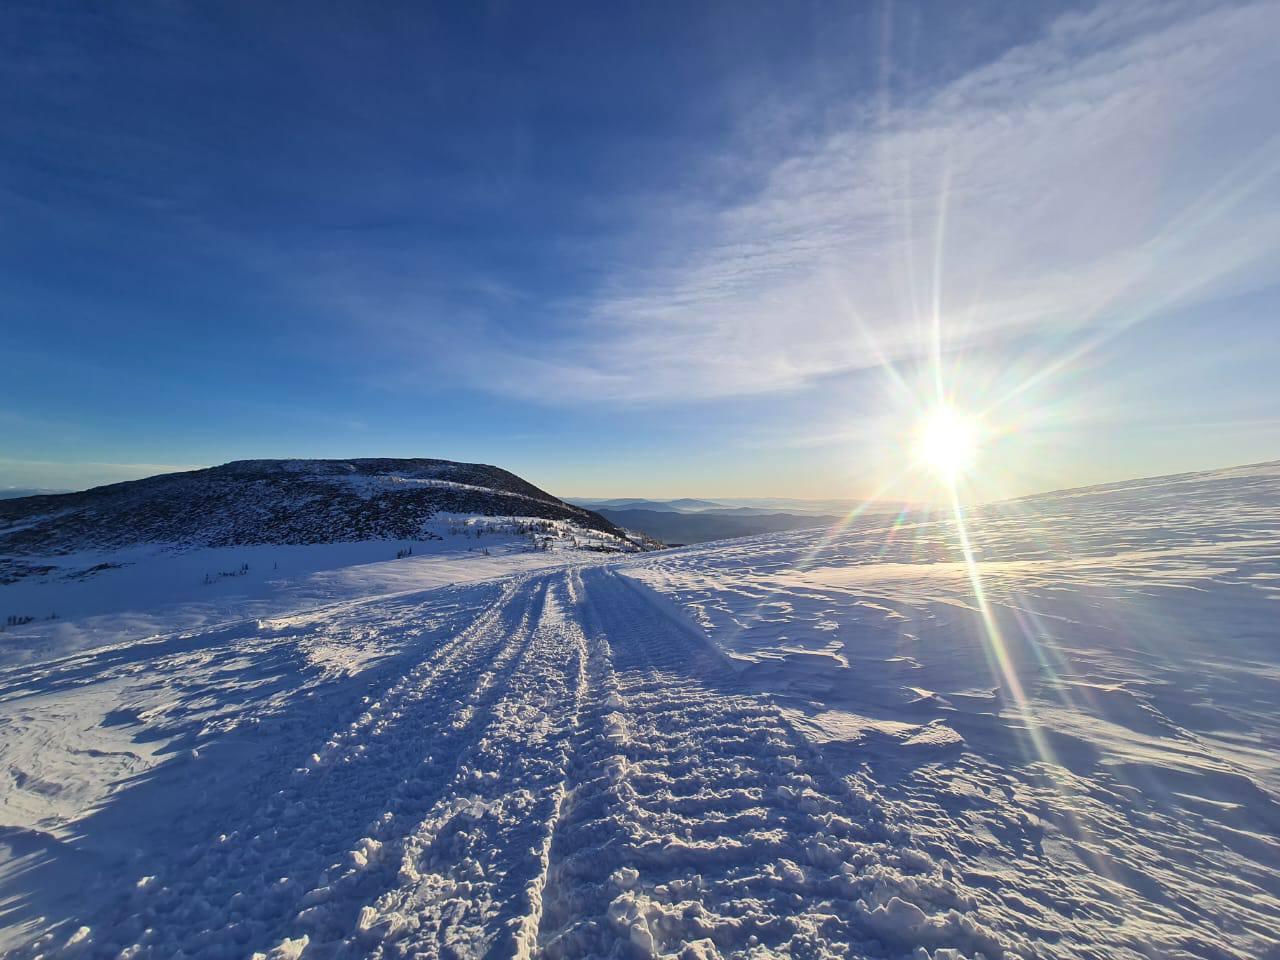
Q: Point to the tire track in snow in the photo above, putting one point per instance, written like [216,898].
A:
[458,702]
[304,856]
[591,662]
[472,874]
[700,824]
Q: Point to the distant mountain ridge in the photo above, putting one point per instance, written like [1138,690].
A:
[682,505]
[671,526]
[692,520]
[745,506]
[277,501]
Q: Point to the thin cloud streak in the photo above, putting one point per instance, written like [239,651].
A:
[1090,179]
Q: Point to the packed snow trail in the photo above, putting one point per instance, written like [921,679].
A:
[572,774]
[699,824]
[319,834]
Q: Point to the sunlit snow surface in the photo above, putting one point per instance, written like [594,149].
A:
[809,744]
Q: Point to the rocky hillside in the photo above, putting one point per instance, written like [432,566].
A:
[277,501]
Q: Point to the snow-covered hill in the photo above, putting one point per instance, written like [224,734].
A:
[254,537]
[870,741]
[277,501]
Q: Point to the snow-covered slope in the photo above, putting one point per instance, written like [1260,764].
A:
[850,744]
[276,501]
[1079,730]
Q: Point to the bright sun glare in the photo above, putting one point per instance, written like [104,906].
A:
[947,442]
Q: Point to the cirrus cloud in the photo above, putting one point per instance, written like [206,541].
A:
[1106,173]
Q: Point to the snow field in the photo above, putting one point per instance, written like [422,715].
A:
[565,776]
[296,841]
[811,746]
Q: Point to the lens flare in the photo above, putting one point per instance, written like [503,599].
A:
[946,442]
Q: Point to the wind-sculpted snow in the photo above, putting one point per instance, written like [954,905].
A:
[1093,749]
[699,823]
[797,746]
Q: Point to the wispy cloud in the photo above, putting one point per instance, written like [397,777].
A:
[1105,173]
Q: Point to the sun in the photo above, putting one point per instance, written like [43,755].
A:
[946,442]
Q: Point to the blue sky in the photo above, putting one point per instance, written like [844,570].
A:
[640,249]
